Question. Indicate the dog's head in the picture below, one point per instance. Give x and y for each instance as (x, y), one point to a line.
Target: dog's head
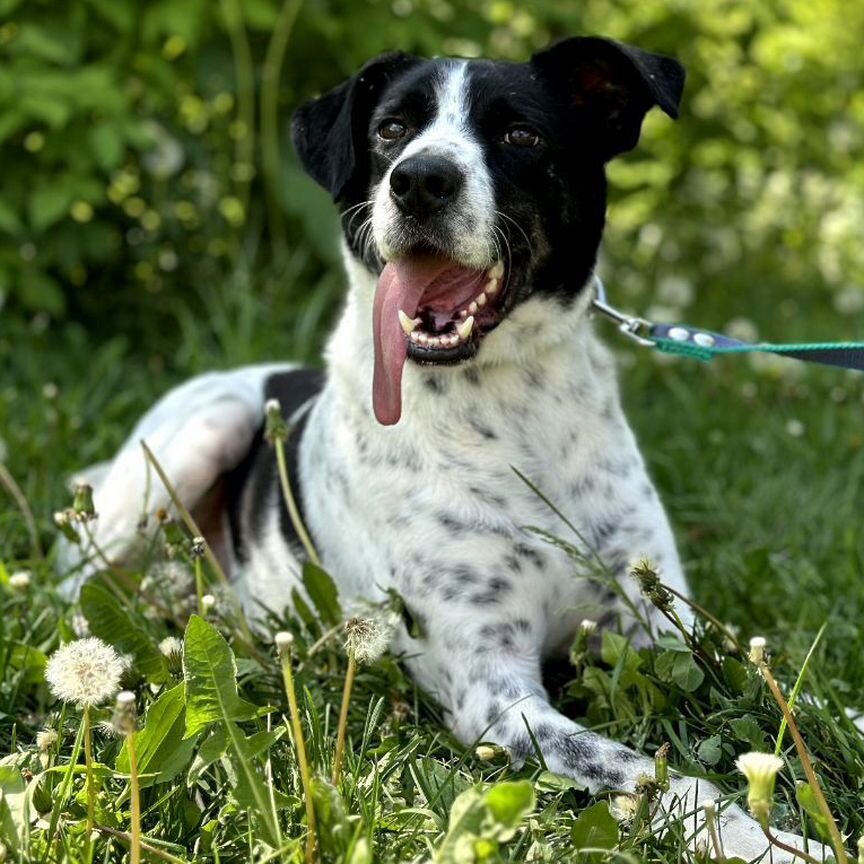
(471, 188)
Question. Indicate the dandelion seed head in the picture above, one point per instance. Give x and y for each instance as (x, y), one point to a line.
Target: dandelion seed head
(20, 581)
(757, 650)
(284, 640)
(46, 739)
(368, 637)
(171, 645)
(85, 672)
(624, 808)
(125, 717)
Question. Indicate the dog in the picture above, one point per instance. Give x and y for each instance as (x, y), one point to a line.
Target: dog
(472, 196)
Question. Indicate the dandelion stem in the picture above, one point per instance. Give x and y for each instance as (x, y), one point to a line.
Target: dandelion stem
(199, 585)
(806, 764)
(91, 789)
(135, 796)
(185, 515)
(798, 853)
(284, 647)
(149, 848)
(293, 511)
(342, 729)
(14, 490)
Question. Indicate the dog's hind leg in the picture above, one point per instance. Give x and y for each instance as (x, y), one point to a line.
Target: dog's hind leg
(489, 680)
(197, 432)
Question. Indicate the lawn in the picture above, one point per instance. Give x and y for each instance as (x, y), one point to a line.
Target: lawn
(761, 469)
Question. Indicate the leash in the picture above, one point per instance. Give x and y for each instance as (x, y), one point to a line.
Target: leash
(686, 341)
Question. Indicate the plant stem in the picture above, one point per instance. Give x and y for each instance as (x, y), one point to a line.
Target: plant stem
(270, 74)
(135, 795)
(14, 490)
(199, 585)
(341, 732)
(147, 847)
(300, 746)
(806, 764)
(291, 504)
(798, 853)
(91, 790)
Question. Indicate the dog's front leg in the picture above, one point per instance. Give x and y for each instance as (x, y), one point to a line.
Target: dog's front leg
(487, 676)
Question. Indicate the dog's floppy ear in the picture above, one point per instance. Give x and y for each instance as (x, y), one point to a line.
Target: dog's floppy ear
(329, 132)
(615, 84)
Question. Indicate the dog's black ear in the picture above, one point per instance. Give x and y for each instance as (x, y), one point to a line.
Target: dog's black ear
(329, 132)
(615, 84)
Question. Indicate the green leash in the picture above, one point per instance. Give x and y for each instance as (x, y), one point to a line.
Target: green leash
(686, 341)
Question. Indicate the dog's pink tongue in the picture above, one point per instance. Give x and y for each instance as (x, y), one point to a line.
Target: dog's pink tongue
(400, 286)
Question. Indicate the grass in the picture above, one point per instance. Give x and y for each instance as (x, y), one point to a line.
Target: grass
(763, 475)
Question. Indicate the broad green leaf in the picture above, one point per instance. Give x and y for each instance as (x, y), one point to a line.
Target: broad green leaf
(162, 750)
(249, 787)
(679, 668)
(323, 593)
(710, 750)
(480, 819)
(614, 647)
(211, 679)
(745, 728)
(510, 802)
(29, 660)
(595, 829)
(115, 624)
(213, 749)
(12, 806)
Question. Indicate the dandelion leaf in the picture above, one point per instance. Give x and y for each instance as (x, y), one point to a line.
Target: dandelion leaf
(162, 750)
(211, 679)
(117, 626)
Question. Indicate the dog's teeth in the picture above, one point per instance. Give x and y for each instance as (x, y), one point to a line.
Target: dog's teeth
(464, 329)
(415, 336)
(472, 307)
(491, 288)
(463, 313)
(423, 339)
(496, 271)
(481, 300)
(454, 340)
(408, 324)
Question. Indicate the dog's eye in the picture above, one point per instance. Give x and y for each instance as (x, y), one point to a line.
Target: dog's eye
(391, 130)
(522, 136)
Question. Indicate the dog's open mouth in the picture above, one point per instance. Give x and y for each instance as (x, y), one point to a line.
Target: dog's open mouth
(431, 309)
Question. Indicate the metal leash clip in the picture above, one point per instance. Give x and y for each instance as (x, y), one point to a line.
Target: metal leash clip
(630, 325)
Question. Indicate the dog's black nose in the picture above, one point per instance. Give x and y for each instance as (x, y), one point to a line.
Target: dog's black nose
(422, 185)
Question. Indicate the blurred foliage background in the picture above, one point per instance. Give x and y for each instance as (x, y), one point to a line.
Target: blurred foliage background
(147, 173)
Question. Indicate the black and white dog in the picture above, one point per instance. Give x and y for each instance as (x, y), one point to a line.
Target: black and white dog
(473, 197)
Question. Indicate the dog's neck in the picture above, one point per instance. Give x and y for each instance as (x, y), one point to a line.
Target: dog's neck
(540, 338)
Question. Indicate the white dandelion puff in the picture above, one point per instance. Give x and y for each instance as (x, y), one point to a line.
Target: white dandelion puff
(20, 581)
(46, 739)
(367, 638)
(86, 672)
